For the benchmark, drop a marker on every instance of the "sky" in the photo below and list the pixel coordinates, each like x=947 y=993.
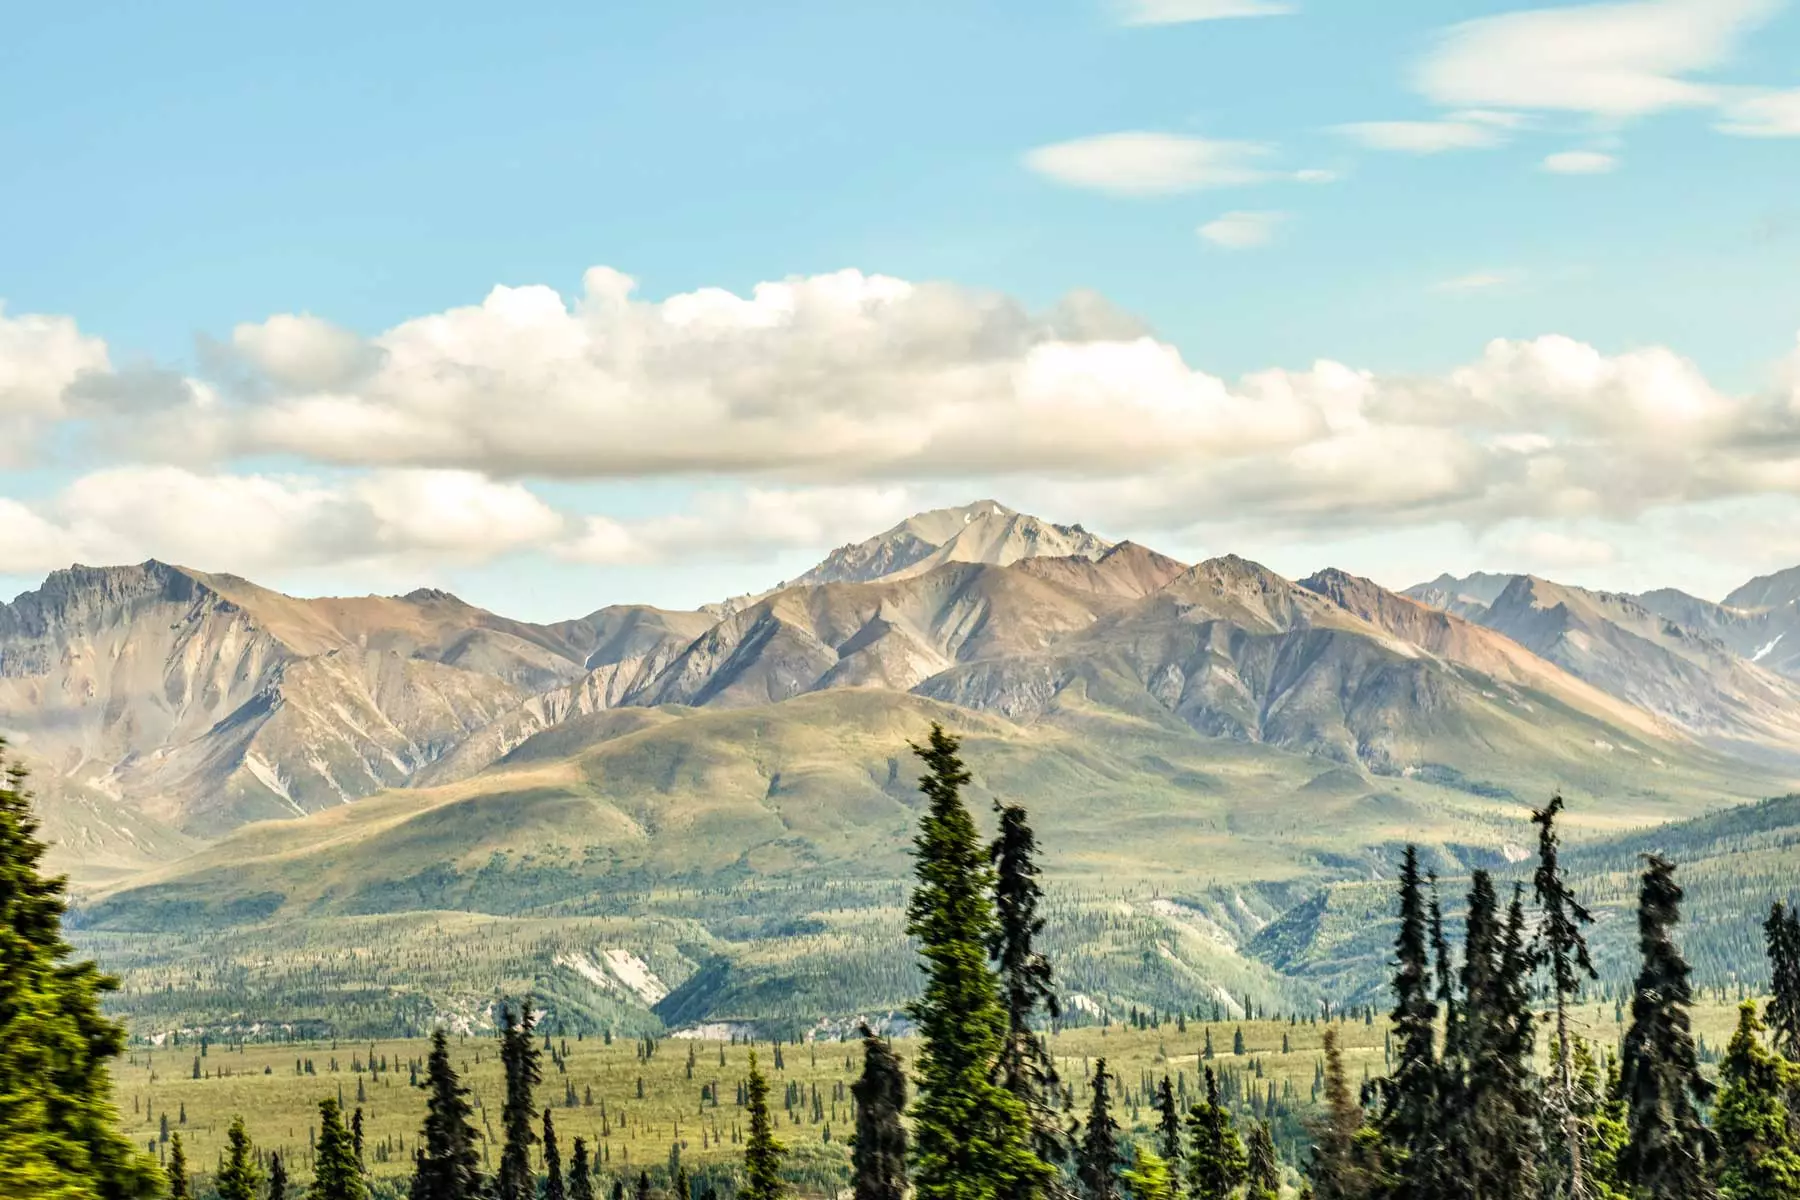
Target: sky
x=562 y=305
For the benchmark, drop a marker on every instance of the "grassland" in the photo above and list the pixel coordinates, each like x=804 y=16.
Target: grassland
x=638 y=1110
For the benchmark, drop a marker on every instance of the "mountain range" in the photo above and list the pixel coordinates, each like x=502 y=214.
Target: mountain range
x=208 y=751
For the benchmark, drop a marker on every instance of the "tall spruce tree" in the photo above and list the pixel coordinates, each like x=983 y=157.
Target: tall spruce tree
x=1345 y=1164
x=1496 y=1128
x=1450 y=1161
x=1216 y=1163
x=553 y=1173
x=520 y=1062
x=58 y=1129
x=1168 y=1124
x=581 y=1172
x=1669 y=1148
x=1411 y=1118
x=1262 y=1179
x=278 y=1180
x=449 y=1162
x=1097 y=1159
x=1758 y=1156
x=336 y=1173
x=971 y=1136
x=239 y=1178
x=878 y=1153
x=1782 y=932
x=762 y=1153
x=177 y=1171
x=1561 y=947
x=1027 y=1069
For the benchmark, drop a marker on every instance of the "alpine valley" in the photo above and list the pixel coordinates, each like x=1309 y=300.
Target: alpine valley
x=357 y=815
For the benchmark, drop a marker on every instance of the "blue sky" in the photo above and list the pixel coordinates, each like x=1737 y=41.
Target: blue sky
x=1391 y=187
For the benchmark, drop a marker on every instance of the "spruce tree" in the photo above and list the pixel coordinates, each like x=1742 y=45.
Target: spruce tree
x=1561 y=946
x=1097 y=1159
x=1782 y=932
x=1495 y=1132
x=277 y=1178
x=1345 y=1163
x=1410 y=1117
x=553 y=1174
x=1026 y=1069
x=1758 y=1158
x=1169 y=1124
x=762 y=1153
x=239 y=1176
x=58 y=1129
x=878 y=1152
x=581 y=1178
x=1216 y=1162
x=971 y=1137
x=519 y=1058
x=336 y=1173
x=1149 y=1176
x=1669 y=1148
x=178 y=1171
x=449 y=1162
x=1262 y=1177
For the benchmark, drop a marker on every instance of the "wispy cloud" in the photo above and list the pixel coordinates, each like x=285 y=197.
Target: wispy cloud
x=1478 y=281
x=1179 y=12
x=1767 y=114
x=1613 y=60
x=1579 y=162
x=1243 y=230
x=1474 y=130
x=1137 y=163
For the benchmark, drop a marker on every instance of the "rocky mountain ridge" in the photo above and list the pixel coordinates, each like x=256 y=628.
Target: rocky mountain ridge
x=186 y=704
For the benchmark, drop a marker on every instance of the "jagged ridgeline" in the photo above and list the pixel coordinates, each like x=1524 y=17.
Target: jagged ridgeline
x=355 y=814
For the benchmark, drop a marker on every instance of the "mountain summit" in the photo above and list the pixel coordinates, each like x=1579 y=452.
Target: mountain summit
x=982 y=532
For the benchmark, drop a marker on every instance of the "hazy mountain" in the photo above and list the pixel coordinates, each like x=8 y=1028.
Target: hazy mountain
x=1465 y=596
x=203 y=701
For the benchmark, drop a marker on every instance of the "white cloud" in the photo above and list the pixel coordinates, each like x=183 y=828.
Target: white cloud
x=1767 y=114
x=274 y=522
x=1478 y=281
x=1541 y=549
x=302 y=351
x=1579 y=162
x=1176 y=12
x=1461 y=131
x=1137 y=163
x=1615 y=60
x=754 y=523
x=40 y=357
x=1316 y=175
x=1243 y=230
x=814 y=407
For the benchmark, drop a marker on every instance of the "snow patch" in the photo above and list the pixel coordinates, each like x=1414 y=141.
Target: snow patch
x=1764 y=651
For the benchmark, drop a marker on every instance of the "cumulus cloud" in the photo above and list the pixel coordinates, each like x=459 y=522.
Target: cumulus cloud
x=1137 y=163
x=248 y=522
x=1553 y=549
x=814 y=406
x=1176 y=12
x=1613 y=60
x=40 y=357
x=1579 y=162
x=1242 y=230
